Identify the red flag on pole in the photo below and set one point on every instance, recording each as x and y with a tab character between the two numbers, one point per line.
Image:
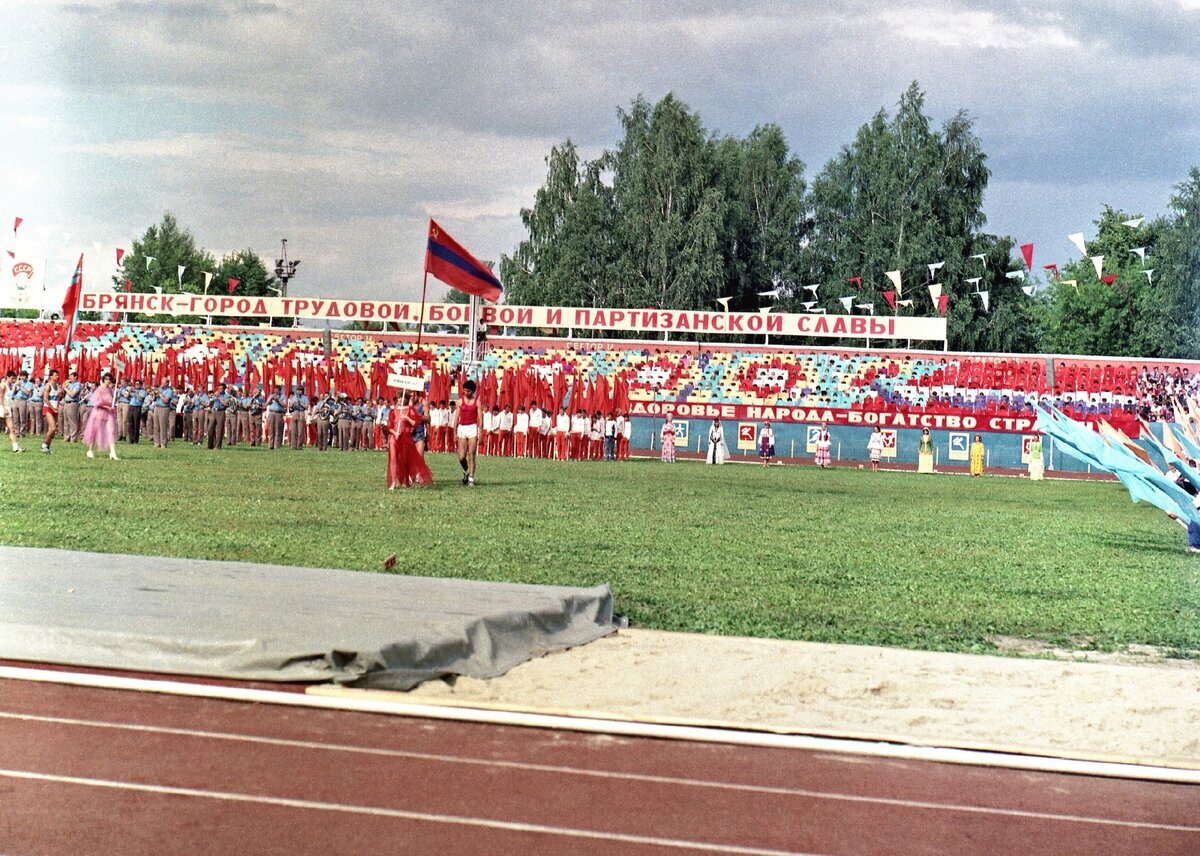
17	221
128	285
1027	252
71	302
448	261
233	283
120	255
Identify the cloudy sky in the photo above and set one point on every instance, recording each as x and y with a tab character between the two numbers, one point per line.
343	126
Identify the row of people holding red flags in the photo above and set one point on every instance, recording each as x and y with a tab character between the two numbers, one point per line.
536	433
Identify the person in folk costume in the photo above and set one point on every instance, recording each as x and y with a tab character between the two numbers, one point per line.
824	444
718	452
977	456
668	440
875	448
1037	467
405	465
766	443
101	428
420	430
925	452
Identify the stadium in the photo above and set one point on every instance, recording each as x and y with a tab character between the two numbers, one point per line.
738	507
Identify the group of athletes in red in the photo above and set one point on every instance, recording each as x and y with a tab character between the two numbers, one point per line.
470	429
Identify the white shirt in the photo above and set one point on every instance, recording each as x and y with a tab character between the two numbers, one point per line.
579	425
183	399
627	431
522	423
562	423
506	420
610	428
546	427
437	417
487	420
535	419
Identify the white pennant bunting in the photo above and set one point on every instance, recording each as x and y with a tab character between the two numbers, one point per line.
1016	274
1098	262
207	279
1029	289
904	303
157	288
935	291
812	288
934	267
182	268
1140	252
1078	241
819	311
975	280
724	301
1149	272
809	305
983	295
846	301
148	260
982	257
1134	223
894	276
1074	283
870	307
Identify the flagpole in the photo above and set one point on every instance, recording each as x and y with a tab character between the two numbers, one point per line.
421	322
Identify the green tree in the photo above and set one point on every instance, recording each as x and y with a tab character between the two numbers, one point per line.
254	280
152	264
1176	298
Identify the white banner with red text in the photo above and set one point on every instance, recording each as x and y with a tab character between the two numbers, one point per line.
543	317
855	418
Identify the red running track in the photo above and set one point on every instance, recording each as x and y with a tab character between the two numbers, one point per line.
107	771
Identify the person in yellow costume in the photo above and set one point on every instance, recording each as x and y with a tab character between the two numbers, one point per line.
1037	467
977	453
925	452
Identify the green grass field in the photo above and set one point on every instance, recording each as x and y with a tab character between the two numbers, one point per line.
932	562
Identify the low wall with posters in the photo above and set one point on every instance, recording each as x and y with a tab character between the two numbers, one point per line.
1006	450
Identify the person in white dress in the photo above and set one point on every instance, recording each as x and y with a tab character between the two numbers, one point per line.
718	452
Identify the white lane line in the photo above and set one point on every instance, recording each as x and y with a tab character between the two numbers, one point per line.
400	814
596	774
616	727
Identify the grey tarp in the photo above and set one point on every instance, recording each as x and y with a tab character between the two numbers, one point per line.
278	623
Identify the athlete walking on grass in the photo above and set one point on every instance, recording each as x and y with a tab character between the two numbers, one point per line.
466	430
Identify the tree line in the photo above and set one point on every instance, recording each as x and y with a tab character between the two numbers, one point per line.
674	216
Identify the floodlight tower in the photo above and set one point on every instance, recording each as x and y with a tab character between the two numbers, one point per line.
285	270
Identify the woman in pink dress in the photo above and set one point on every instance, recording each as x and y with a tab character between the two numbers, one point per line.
405	465
101	429
668	440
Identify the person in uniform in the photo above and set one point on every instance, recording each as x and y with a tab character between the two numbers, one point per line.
123	391
175	417
36	420
345	419
505	441
297	404
256	405
137	397
233	414
72	394
466	432
160	418
200	408
216	421
85	407
186	413
276	408
21	388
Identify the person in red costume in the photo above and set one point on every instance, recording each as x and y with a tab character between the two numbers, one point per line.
405	465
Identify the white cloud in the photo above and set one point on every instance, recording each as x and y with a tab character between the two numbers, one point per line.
972	29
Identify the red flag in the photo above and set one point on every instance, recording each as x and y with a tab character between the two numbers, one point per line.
17	224
128	285
857	280
233	283
942	303
890	297
1027	252
1108	278
120	255
448	261
70	305
1052	267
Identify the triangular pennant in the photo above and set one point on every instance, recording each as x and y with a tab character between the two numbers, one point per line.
982	257
1030	290
890	297
157	289
857	280
207	279
182	268
1027	253
1052	267
894	276
1074	283
935	291
120	255
1108	278
934	267
812	288
128	285
809	305
1149	272
904	303
870	307
1140	252
846	301
233	283
975	280
1077	239
819	311
1134	223
1098	262
983	296
942	303
724	301
17	221
1016	274
148	260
